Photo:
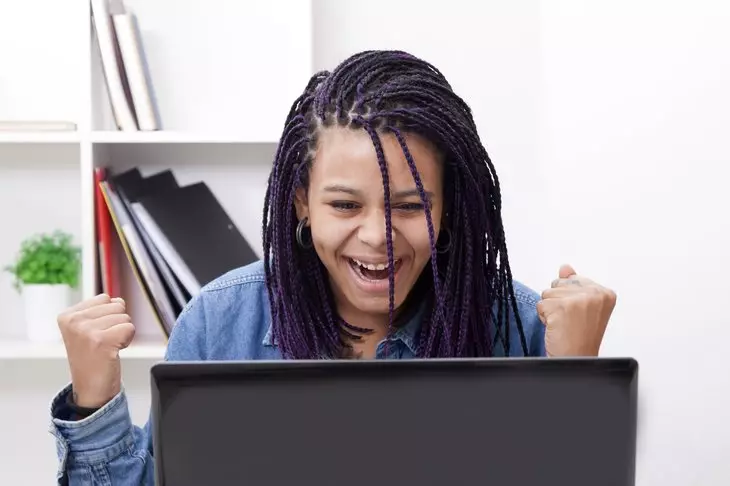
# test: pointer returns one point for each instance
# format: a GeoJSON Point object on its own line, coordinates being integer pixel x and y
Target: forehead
{"type": "Point", "coordinates": [349, 156]}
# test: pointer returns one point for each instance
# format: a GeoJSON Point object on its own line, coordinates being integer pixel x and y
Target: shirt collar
{"type": "Point", "coordinates": [407, 333]}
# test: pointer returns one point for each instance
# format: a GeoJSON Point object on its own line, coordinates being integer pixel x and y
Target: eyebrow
{"type": "Point", "coordinates": [396, 195]}
{"type": "Point", "coordinates": [342, 188]}
{"type": "Point", "coordinates": [412, 192]}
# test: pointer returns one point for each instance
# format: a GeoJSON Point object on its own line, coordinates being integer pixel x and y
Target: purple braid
{"type": "Point", "coordinates": [388, 226]}
{"type": "Point", "coordinates": [393, 92]}
{"type": "Point", "coordinates": [438, 310]}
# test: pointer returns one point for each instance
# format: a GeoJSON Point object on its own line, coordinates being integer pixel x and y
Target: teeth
{"type": "Point", "coordinates": [371, 266]}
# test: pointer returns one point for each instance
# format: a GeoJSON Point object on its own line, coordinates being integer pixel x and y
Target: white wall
{"type": "Point", "coordinates": [634, 132]}
{"type": "Point", "coordinates": [608, 123]}
{"type": "Point", "coordinates": [488, 51]}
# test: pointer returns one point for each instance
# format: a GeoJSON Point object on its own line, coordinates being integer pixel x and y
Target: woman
{"type": "Point", "coordinates": [384, 239]}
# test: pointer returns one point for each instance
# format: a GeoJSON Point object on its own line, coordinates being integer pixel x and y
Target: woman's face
{"type": "Point", "coordinates": [346, 211]}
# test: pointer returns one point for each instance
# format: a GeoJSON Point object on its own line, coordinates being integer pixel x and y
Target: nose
{"type": "Point", "coordinates": [372, 230]}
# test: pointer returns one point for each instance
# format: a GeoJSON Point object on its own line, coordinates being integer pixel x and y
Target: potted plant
{"type": "Point", "coordinates": [46, 271]}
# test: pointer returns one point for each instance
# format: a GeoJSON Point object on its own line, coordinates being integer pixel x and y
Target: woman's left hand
{"type": "Point", "coordinates": [575, 311]}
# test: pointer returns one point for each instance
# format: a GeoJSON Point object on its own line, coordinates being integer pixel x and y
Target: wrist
{"type": "Point", "coordinates": [87, 400]}
{"type": "Point", "coordinates": [574, 352]}
{"type": "Point", "coordinates": [78, 411]}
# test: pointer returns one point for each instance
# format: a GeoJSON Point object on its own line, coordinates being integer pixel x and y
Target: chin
{"type": "Point", "coordinates": [374, 306]}
{"type": "Point", "coordinates": [371, 306]}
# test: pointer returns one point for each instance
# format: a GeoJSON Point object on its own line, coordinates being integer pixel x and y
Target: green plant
{"type": "Point", "coordinates": [47, 259]}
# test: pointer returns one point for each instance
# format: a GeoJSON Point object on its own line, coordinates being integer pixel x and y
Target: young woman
{"type": "Point", "coordinates": [384, 240]}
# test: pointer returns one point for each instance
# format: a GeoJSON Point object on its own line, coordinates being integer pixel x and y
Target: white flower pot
{"type": "Point", "coordinates": [43, 303]}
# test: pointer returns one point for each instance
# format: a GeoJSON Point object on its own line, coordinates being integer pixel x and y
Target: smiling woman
{"type": "Point", "coordinates": [383, 240]}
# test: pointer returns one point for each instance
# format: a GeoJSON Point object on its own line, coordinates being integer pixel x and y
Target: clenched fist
{"type": "Point", "coordinates": [575, 311]}
{"type": "Point", "coordinates": [94, 331]}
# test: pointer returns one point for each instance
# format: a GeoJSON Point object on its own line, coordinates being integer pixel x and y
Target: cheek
{"type": "Point", "coordinates": [329, 233]}
{"type": "Point", "coordinates": [415, 233]}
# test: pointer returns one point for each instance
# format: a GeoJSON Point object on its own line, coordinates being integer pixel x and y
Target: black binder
{"type": "Point", "coordinates": [205, 240]}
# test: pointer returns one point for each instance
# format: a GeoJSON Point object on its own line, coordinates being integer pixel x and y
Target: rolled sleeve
{"type": "Point", "coordinates": [100, 437]}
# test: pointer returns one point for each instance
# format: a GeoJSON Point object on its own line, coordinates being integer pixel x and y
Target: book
{"type": "Point", "coordinates": [139, 261]}
{"type": "Point", "coordinates": [37, 126]}
{"type": "Point", "coordinates": [131, 185]}
{"type": "Point", "coordinates": [113, 67]}
{"type": "Point", "coordinates": [135, 66]}
{"type": "Point", "coordinates": [194, 234]}
{"type": "Point", "coordinates": [105, 256]}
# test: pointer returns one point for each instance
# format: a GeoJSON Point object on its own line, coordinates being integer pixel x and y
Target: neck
{"type": "Point", "coordinates": [374, 323]}
{"type": "Point", "coordinates": [376, 326]}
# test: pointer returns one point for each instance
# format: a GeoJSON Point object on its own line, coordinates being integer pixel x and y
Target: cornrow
{"type": "Point", "coordinates": [392, 92]}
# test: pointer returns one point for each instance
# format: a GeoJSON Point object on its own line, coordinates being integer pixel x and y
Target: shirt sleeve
{"type": "Point", "coordinates": [532, 326]}
{"type": "Point", "coordinates": [106, 448]}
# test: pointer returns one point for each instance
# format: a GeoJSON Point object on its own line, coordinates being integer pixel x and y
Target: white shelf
{"type": "Point", "coordinates": [138, 137]}
{"type": "Point", "coordinates": [163, 136]}
{"type": "Point", "coordinates": [20, 349]}
{"type": "Point", "coordinates": [223, 95]}
{"type": "Point", "coordinates": [39, 137]}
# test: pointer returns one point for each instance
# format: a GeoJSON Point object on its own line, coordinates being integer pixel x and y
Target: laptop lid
{"type": "Point", "coordinates": [516, 421]}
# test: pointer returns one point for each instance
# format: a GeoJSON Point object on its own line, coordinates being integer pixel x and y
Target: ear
{"type": "Point", "coordinates": [301, 203]}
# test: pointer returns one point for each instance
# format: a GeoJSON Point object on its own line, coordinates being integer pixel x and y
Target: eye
{"type": "Point", "coordinates": [409, 207]}
{"type": "Point", "coordinates": [344, 205]}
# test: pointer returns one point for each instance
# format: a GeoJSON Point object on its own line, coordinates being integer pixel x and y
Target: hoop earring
{"type": "Point", "coordinates": [444, 248]}
{"type": "Point", "coordinates": [300, 231]}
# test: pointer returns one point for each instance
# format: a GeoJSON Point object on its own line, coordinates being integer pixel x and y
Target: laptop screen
{"type": "Point", "coordinates": [503, 423]}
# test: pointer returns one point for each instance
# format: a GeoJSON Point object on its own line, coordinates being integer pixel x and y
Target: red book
{"type": "Point", "coordinates": [104, 235]}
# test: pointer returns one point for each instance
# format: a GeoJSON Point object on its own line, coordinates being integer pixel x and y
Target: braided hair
{"type": "Point", "coordinates": [392, 92]}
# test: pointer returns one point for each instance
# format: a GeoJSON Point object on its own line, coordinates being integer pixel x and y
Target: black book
{"type": "Point", "coordinates": [139, 258]}
{"type": "Point", "coordinates": [131, 185]}
{"type": "Point", "coordinates": [193, 232]}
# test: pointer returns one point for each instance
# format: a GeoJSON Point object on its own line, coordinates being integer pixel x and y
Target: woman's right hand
{"type": "Point", "coordinates": [94, 331]}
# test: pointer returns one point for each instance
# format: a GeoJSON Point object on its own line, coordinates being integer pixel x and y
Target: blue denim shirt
{"type": "Point", "coordinates": [228, 320]}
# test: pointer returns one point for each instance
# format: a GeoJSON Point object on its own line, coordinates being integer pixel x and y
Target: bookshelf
{"type": "Point", "coordinates": [167, 136]}
{"type": "Point", "coordinates": [224, 75]}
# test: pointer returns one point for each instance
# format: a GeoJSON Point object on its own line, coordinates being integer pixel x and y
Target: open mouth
{"type": "Point", "coordinates": [373, 272]}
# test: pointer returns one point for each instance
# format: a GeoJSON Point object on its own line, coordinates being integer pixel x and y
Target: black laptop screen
{"type": "Point", "coordinates": [516, 424]}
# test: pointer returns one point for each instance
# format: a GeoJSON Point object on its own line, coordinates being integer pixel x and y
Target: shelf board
{"type": "Point", "coordinates": [171, 137]}
{"type": "Point", "coordinates": [120, 137]}
{"type": "Point", "coordinates": [39, 137]}
{"type": "Point", "coordinates": [20, 349]}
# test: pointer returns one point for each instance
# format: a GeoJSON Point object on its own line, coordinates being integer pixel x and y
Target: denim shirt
{"type": "Point", "coordinates": [228, 320]}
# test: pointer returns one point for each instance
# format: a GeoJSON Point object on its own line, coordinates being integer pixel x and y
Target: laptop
{"type": "Point", "coordinates": [446, 422]}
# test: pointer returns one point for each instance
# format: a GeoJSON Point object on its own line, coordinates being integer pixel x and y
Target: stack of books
{"type": "Point", "coordinates": [125, 67]}
{"type": "Point", "coordinates": [176, 238]}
